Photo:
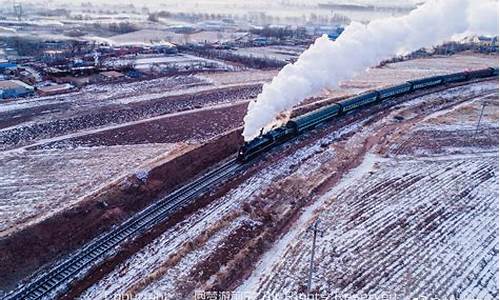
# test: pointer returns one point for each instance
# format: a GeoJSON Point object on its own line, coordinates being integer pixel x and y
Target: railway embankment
{"type": "Point", "coordinates": [41, 243]}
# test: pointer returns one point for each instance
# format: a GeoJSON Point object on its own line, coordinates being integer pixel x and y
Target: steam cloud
{"type": "Point", "coordinates": [360, 46]}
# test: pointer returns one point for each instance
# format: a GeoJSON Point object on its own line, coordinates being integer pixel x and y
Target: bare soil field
{"type": "Point", "coordinates": [192, 126]}
{"type": "Point", "coordinates": [98, 95]}
{"type": "Point", "coordinates": [25, 134]}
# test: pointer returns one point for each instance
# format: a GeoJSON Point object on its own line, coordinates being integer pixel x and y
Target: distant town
{"type": "Point", "coordinates": [51, 51]}
{"type": "Point", "coordinates": [47, 51]}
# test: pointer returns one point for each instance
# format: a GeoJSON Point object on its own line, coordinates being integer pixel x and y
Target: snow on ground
{"type": "Point", "coordinates": [104, 94]}
{"type": "Point", "coordinates": [154, 271]}
{"type": "Point", "coordinates": [418, 68]}
{"type": "Point", "coordinates": [146, 62]}
{"type": "Point", "coordinates": [101, 95]}
{"type": "Point", "coordinates": [456, 130]}
{"type": "Point", "coordinates": [38, 182]}
{"type": "Point", "coordinates": [29, 132]}
{"type": "Point", "coordinates": [149, 37]}
{"type": "Point", "coordinates": [422, 224]}
{"type": "Point", "coordinates": [107, 93]}
{"type": "Point", "coordinates": [31, 185]}
{"type": "Point", "coordinates": [167, 59]}
{"type": "Point", "coordinates": [247, 76]}
{"type": "Point", "coordinates": [410, 223]}
{"type": "Point", "coordinates": [283, 53]}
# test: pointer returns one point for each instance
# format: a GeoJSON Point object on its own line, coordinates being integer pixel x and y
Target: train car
{"type": "Point", "coordinates": [394, 90]}
{"type": "Point", "coordinates": [281, 134]}
{"type": "Point", "coordinates": [265, 142]}
{"type": "Point", "coordinates": [425, 82]}
{"type": "Point", "coordinates": [252, 148]}
{"type": "Point", "coordinates": [358, 101]}
{"type": "Point", "coordinates": [315, 117]}
{"type": "Point", "coordinates": [494, 71]}
{"type": "Point", "coordinates": [480, 73]}
{"type": "Point", "coordinates": [455, 77]}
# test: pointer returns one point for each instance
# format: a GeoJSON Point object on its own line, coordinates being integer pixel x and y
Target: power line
{"type": "Point", "coordinates": [18, 9]}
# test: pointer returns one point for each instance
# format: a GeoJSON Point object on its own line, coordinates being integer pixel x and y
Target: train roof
{"type": "Point", "coordinates": [427, 79]}
{"type": "Point", "coordinates": [364, 95]}
{"type": "Point", "coordinates": [329, 107]}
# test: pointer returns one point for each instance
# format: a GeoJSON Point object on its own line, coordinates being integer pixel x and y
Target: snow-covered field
{"type": "Point", "coordinates": [422, 223]}
{"type": "Point", "coordinates": [248, 76]}
{"type": "Point", "coordinates": [412, 69]}
{"type": "Point", "coordinates": [177, 60]}
{"type": "Point", "coordinates": [27, 131]}
{"type": "Point", "coordinates": [149, 37]}
{"type": "Point", "coordinates": [282, 53]}
{"type": "Point", "coordinates": [96, 95]}
{"type": "Point", "coordinates": [412, 228]}
{"type": "Point", "coordinates": [36, 183]}
{"type": "Point", "coordinates": [221, 217]}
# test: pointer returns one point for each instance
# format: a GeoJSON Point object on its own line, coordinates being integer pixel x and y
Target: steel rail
{"type": "Point", "coordinates": [63, 273]}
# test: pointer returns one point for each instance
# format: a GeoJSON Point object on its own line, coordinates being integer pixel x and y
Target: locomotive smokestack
{"type": "Point", "coordinates": [360, 46]}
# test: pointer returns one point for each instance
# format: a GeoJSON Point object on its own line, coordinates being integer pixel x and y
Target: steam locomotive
{"type": "Point", "coordinates": [310, 120]}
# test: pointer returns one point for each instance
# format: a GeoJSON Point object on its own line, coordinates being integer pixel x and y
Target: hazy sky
{"type": "Point", "coordinates": [273, 7]}
{"type": "Point", "coordinates": [229, 2]}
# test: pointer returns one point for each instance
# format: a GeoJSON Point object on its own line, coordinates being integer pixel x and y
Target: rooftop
{"type": "Point", "coordinates": [112, 74]}
{"type": "Point", "coordinates": [12, 84]}
{"type": "Point", "coordinates": [55, 88]}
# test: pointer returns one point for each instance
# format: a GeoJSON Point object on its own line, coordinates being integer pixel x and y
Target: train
{"type": "Point", "coordinates": [310, 120]}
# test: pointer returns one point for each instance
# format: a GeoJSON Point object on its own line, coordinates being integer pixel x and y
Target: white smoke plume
{"type": "Point", "coordinates": [360, 46]}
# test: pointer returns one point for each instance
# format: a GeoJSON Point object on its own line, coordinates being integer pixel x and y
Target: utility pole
{"type": "Point", "coordinates": [479, 121]}
{"type": "Point", "coordinates": [18, 9]}
{"type": "Point", "coordinates": [315, 230]}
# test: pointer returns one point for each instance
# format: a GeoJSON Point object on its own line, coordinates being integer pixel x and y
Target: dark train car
{"type": "Point", "coordinates": [480, 73]}
{"type": "Point", "coordinates": [281, 134]}
{"type": "Point", "coordinates": [265, 142]}
{"type": "Point", "coordinates": [394, 90]}
{"type": "Point", "coordinates": [455, 77]}
{"type": "Point", "coordinates": [315, 117]}
{"type": "Point", "coordinates": [425, 82]}
{"type": "Point", "coordinates": [252, 148]}
{"type": "Point", "coordinates": [494, 71]}
{"type": "Point", "coordinates": [358, 101]}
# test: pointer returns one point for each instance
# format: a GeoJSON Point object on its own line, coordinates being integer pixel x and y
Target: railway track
{"type": "Point", "coordinates": [58, 278]}
{"type": "Point", "coordinates": [62, 274]}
